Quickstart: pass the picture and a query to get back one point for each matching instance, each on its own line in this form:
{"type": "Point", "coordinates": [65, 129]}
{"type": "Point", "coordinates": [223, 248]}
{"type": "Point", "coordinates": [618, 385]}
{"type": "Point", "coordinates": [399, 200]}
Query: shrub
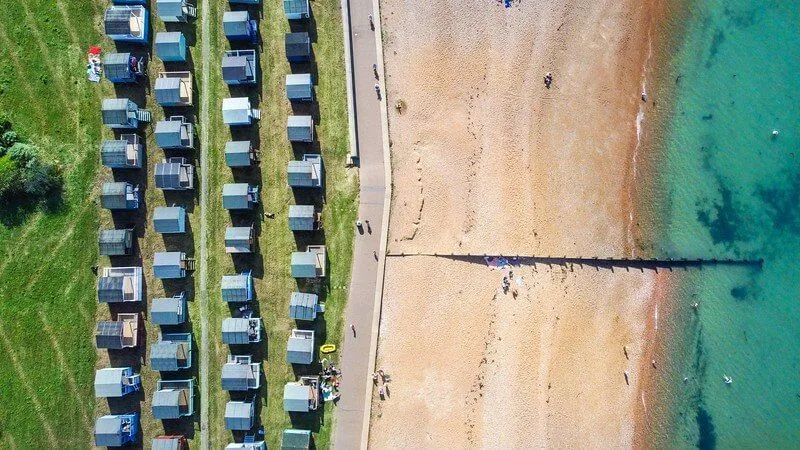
{"type": "Point", "coordinates": [9, 138]}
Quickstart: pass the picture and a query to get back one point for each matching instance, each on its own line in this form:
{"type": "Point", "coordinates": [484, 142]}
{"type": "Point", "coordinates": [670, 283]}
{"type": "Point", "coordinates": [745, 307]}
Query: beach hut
{"type": "Point", "coordinates": [175, 10]}
{"type": "Point", "coordinates": [116, 430]}
{"type": "Point", "coordinates": [127, 23]}
{"type": "Point", "coordinates": [124, 67]}
{"type": "Point", "coordinates": [306, 173]}
{"type": "Point", "coordinates": [168, 265]}
{"type": "Point", "coordinates": [239, 154]}
{"type": "Point", "coordinates": [119, 196]}
{"type": "Point", "coordinates": [129, 2]}
{"type": "Point", "coordinates": [296, 439]}
{"type": "Point", "coordinates": [239, 67]}
{"type": "Point", "coordinates": [172, 352]}
{"type": "Point", "coordinates": [300, 347]}
{"type": "Point", "coordinates": [238, 26]}
{"type": "Point", "coordinates": [239, 415]}
{"type": "Point", "coordinates": [173, 399]}
{"type": "Point", "coordinates": [296, 9]}
{"type": "Point", "coordinates": [298, 47]}
{"type": "Point", "coordinates": [310, 263]}
{"type": "Point", "coordinates": [240, 373]}
{"type": "Point", "coordinates": [239, 196]}
{"type": "Point", "coordinates": [303, 306]}
{"type": "Point", "coordinates": [121, 113]}
{"type": "Point", "coordinates": [116, 382]}
{"type": "Point", "coordinates": [116, 242]}
{"type": "Point", "coordinates": [237, 288]}
{"type": "Point", "coordinates": [169, 310]}
{"type": "Point", "coordinates": [237, 111]}
{"type": "Point", "coordinates": [299, 87]}
{"type": "Point", "coordinates": [120, 284]}
{"type": "Point", "coordinates": [303, 218]}
{"type": "Point", "coordinates": [169, 219]}
{"type": "Point", "coordinates": [175, 133]}
{"type": "Point", "coordinates": [171, 46]}
{"type": "Point", "coordinates": [245, 2]}
{"type": "Point", "coordinates": [175, 174]}
{"type": "Point", "coordinates": [302, 395]}
{"type": "Point", "coordinates": [239, 239]}
{"type": "Point", "coordinates": [174, 88]}
{"type": "Point", "coordinates": [251, 444]}
{"type": "Point", "coordinates": [241, 330]}
{"type": "Point", "coordinates": [300, 128]}
{"type": "Point", "coordinates": [170, 443]}
{"type": "Point", "coordinates": [124, 153]}
{"type": "Point", "coordinates": [118, 334]}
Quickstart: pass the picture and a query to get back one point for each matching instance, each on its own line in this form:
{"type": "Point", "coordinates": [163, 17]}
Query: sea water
{"type": "Point", "coordinates": [731, 189]}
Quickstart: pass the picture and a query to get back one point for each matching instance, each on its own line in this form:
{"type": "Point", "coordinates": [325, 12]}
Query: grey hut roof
{"type": "Point", "coordinates": [299, 86]}
{"type": "Point", "coordinates": [168, 90]}
{"type": "Point", "coordinates": [237, 153]}
{"type": "Point", "coordinates": [108, 382]}
{"type": "Point", "coordinates": [170, 8]}
{"type": "Point", "coordinates": [234, 23]}
{"type": "Point", "coordinates": [109, 335]}
{"type": "Point", "coordinates": [115, 110]}
{"type": "Point", "coordinates": [115, 65]}
{"type": "Point", "coordinates": [300, 128]}
{"type": "Point", "coordinates": [168, 175]}
{"type": "Point", "coordinates": [114, 195]}
{"type": "Point", "coordinates": [237, 68]}
{"type": "Point", "coordinates": [296, 440]}
{"type": "Point", "coordinates": [301, 217]}
{"type": "Point", "coordinates": [117, 20]}
{"type": "Point", "coordinates": [238, 238]}
{"type": "Point", "coordinates": [304, 264]}
{"type": "Point", "coordinates": [235, 288]}
{"type": "Point", "coordinates": [299, 173]}
{"type": "Point", "coordinates": [166, 443]}
{"type": "Point", "coordinates": [238, 415]}
{"type": "Point", "coordinates": [108, 431]}
{"type": "Point", "coordinates": [168, 37]}
{"type": "Point", "coordinates": [109, 289]}
{"type": "Point", "coordinates": [300, 349]}
{"type": "Point", "coordinates": [297, 44]}
{"type": "Point", "coordinates": [236, 331]}
{"type": "Point", "coordinates": [296, 397]}
{"type": "Point", "coordinates": [295, 6]}
{"type": "Point", "coordinates": [166, 404]}
{"type": "Point", "coordinates": [114, 153]}
{"type": "Point", "coordinates": [166, 219]}
{"type": "Point", "coordinates": [168, 311]}
{"type": "Point", "coordinates": [169, 132]}
{"type": "Point", "coordinates": [303, 306]}
{"type": "Point", "coordinates": [115, 242]}
{"type": "Point", "coordinates": [237, 377]}
{"type": "Point", "coordinates": [164, 355]}
{"type": "Point", "coordinates": [235, 196]}
{"type": "Point", "coordinates": [168, 264]}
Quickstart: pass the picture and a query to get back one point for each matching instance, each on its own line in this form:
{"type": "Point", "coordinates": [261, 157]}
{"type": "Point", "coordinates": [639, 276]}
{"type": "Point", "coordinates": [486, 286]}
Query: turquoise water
{"type": "Point", "coordinates": [732, 190]}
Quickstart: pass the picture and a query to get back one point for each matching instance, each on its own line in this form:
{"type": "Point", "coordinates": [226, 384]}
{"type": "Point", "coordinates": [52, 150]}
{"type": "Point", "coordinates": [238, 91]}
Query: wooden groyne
{"type": "Point", "coordinates": [594, 261]}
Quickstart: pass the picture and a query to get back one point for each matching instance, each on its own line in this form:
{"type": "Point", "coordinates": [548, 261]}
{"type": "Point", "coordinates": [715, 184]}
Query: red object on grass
{"type": "Point", "coordinates": [95, 50]}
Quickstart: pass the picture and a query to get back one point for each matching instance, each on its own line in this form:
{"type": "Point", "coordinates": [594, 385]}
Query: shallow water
{"type": "Point", "coordinates": [732, 190]}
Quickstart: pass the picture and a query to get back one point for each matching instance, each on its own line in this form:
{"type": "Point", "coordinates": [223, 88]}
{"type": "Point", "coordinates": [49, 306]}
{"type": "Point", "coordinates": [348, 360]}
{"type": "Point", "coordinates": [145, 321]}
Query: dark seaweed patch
{"type": "Point", "coordinates": [707, 439]}
{"type": "Point", "coordinates": [781, 205]}
{"type": "Point", "coordinates": [742, 19]}
{"type": "Point", "coordinates": [723, 220]}
{"type": "Point", "coordinates": [708, 117]}
{"type": "Point", "coordinates": [739, 292]}
{"type": "Point", "coordinates": [716, 41]}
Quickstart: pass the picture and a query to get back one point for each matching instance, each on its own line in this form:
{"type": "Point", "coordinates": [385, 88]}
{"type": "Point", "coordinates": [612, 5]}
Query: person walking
{"type": "Point", "coordinates": [353, 327]}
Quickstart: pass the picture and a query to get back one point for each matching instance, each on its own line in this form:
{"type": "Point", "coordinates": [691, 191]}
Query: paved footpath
{"type": "Point", "coordinates": [356, 359]}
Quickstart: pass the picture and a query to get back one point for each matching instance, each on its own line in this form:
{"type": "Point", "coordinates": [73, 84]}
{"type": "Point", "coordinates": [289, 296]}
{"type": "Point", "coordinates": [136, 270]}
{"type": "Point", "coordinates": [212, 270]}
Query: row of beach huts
{"type": "Point", "coordinates": [127, 22]}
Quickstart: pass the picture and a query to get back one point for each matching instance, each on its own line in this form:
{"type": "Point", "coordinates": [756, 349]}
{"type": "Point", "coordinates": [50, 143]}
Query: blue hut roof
{"type": "Point", "coordinates": [109, 431]}
{"type": "Point", "coordinates": [303, 306]}
{"type": "Point", "coordinates": [237, 288]}
{"type": "Point", "coordinates": [168, 90]}
{"type": "Point", "coordinates": [238, 415]}
{"type": "Point", "coordinates": [296, 440]}
{"type": "Point", "coordinates": [168, 311]}
{"type": "Point", "coordinates": [236, 23]}
{"type": "Point", "coordinates": [237, 154]}
{"type": "Point", "coordinates": [166, 404]}
{"type": "Point", "coordinates": [169, 265]}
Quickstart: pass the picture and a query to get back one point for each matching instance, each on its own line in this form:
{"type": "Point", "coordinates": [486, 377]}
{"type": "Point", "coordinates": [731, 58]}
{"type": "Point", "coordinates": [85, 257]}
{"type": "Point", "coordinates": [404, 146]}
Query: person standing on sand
{"type": "Point", "coordinates": [353, 327]}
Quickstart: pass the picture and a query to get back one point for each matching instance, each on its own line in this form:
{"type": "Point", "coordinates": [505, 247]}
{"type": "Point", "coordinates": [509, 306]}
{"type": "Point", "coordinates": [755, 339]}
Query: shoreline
{"type": "Point", "coordinates": [451, 173]}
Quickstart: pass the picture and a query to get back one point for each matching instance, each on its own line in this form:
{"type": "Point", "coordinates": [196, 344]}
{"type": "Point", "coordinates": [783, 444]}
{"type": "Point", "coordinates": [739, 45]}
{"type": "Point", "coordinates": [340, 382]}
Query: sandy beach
{"type": "Point", "coordinates": [486, 159]}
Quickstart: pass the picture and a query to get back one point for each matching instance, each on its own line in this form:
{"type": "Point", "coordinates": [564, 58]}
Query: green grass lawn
{"type": "Point", "coordinates": [48, 302]}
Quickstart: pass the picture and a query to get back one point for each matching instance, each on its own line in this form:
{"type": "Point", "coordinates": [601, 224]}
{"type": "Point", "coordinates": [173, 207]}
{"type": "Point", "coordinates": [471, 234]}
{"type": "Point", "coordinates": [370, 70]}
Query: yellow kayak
{"type": "Point", "coordinates": [328, 348]}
